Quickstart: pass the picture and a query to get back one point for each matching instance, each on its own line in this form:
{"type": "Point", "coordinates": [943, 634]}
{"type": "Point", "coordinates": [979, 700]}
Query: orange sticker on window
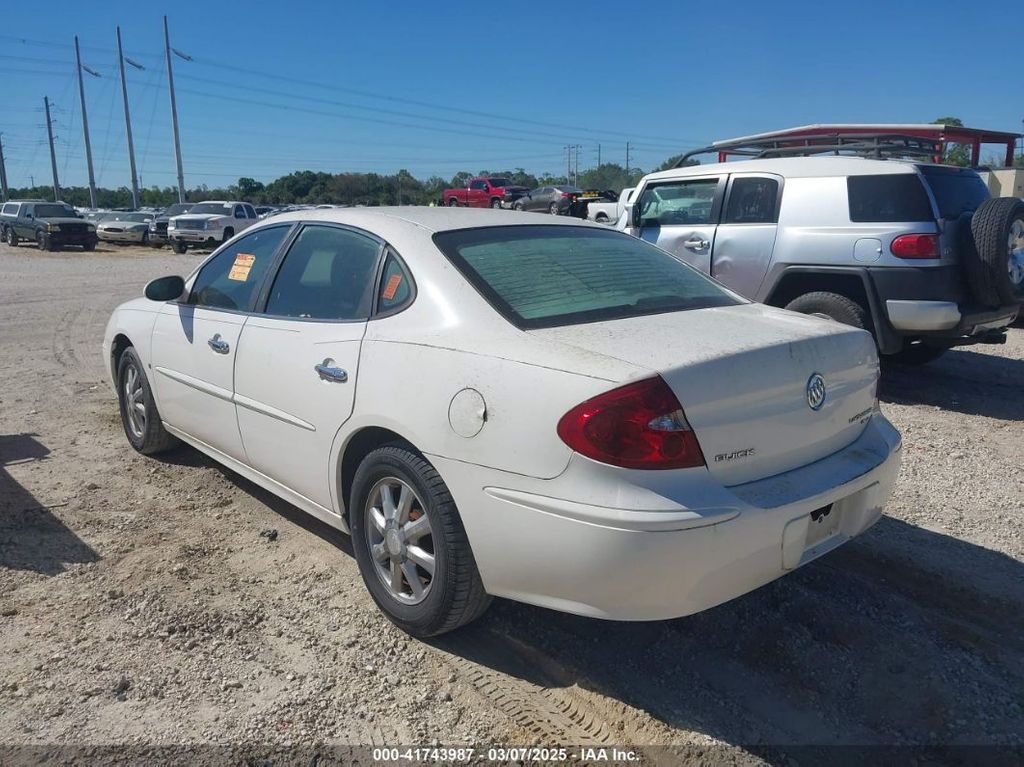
{"type": "Point", "coordinates": [240, 269]}
{"type": "Point", "coordinates": [392, 287]}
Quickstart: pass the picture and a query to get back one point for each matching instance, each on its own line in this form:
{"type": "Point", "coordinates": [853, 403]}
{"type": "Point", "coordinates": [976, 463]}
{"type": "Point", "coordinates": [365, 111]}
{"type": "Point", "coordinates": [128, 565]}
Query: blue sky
{"type": "Point", "coordinates": [447, 86]}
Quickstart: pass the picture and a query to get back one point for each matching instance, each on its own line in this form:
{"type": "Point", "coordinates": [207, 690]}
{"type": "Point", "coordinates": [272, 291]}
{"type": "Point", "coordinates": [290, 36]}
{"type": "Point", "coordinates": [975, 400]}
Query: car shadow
{"type": "Point", "coordinates": [875, 644]}
{"type": "Point", "coordinates": [32, 537]}
{"type": "Point", "coordinates": [963, 381]}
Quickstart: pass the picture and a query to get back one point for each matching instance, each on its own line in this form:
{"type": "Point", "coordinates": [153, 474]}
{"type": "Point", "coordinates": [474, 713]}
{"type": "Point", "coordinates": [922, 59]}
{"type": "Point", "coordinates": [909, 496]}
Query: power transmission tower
{"type": "Point", "coordinates": [3, 171]}
{"type": "Point", "coordinates": [85, 124]}
{"type": "Point", "coordinates": [174, 109]}
{"type": "Point", "coordinates": [53, 154]}
{"type": "Point", "coordinates": [128, 118]}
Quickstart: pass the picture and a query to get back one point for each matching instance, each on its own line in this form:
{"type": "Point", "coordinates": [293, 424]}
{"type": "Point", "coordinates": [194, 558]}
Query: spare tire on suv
{"type": "Point", "coordinates": [993, 251]}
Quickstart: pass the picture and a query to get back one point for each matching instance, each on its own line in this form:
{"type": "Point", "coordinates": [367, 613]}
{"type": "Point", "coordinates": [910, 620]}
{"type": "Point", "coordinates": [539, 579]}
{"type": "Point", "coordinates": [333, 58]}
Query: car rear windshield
{"type": "Point", "coordinates": [956, 190]}
{"type": "Point", "coordinates": [888, 198]}
{"type": "Point", "coordinates": [549, 276]}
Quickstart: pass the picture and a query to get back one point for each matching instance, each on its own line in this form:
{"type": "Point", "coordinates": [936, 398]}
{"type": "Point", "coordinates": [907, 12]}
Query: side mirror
{"type": "Point", "coordinates": [165, 288]}
{"type": "Point", "coordinates": [635, 217]}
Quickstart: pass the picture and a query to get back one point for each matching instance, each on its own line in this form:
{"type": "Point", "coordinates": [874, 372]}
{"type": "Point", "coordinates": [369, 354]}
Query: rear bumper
{"type": "Point", "coordinates": [685, 544]}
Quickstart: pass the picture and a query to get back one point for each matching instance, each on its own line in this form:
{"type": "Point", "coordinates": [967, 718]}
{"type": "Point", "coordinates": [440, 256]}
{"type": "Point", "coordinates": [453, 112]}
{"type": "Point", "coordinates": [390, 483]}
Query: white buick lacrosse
{"type": "Point", "coordinates": [550, 412]}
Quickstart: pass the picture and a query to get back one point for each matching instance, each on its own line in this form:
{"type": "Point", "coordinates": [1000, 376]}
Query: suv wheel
{"type": "Point", "coordinates": [830, 306]}
{"type": "Point", "coordinates": [12, 238]}
{"type": "Point", "coordinates": [995, 263]}
{"type": "Point", "coordinates": [495, 203]}
{"type": "Point", "coordinates": [178, 246]}
{"type": "Point", "coordinates": [410, 545]}
{"type": "Point", "coordinates": [43, 242]}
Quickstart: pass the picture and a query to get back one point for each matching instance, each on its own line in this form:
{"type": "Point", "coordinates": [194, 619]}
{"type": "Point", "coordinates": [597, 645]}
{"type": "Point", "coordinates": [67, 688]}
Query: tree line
{"type": "Point", "coordinates": [315, 187]}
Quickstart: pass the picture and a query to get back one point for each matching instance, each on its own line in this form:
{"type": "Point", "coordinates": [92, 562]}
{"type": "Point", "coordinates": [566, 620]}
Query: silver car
{"type": "Point", "coordinates": [914, 252]}
{"type": "Point", "coordinates": [125, 227]}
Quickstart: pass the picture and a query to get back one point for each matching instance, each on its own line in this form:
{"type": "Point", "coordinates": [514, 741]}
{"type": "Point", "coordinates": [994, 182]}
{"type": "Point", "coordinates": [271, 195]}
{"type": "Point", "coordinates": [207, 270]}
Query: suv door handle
{"type": "Point", "coordinates": [328, 372]}
{"type": "Point", "coordinates": [696, 244]}
{"type": "Point", "coordinates": [219, 345]}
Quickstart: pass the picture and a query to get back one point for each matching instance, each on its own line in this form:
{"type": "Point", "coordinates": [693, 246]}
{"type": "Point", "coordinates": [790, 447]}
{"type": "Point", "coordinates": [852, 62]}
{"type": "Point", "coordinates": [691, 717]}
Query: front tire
{"type": "Point", "coordinates": [411, 546]}
{"type": "Point", "coordinates": [139, 416]}
{"type": "Point", "coordinates": [43, 242]}
{"type": "Point", "coordinates": [178, 247]}
{"type": "Point", "coordinates": [495, 203]}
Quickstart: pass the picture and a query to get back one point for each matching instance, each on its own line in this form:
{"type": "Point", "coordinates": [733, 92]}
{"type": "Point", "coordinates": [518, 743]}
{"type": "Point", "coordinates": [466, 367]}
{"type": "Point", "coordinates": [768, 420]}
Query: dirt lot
{"type": "Point", "coordinates": [142, 601]}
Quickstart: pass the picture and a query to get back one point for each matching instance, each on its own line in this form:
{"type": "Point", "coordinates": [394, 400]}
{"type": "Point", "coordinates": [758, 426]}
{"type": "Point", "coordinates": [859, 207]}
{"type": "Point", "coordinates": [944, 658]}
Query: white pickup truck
{"type": "Point", "coordinates": [609, 212]}
{"type": "Point", "coordinates": [209, 224]}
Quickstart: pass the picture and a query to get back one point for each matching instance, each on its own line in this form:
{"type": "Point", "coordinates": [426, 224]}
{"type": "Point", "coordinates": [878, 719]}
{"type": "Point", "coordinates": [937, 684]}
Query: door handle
{"type": "Point", "coordinates": [328, 372]}
{"type": "Point", "coordinates": [696, 244]}
{"type": "Point", "coordinates": [219, 345]}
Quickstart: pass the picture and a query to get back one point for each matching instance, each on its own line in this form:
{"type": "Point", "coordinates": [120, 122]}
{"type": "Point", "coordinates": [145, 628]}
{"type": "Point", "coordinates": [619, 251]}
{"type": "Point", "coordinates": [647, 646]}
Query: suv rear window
{"type": "Point", "coordinates": [888, 198]}
{"type": "Point", "coordinates": [956, 190]}
{"type": "Point", "coordinates": [547, 276]}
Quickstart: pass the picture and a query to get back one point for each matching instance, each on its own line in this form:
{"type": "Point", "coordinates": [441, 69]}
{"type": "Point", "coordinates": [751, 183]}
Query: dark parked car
{"type": "Point", "coordinates": [50, 225]}
{"type": "Point", "coordinates": [158, 226]}
{"type": "Point", "coordinates": [552, 199]}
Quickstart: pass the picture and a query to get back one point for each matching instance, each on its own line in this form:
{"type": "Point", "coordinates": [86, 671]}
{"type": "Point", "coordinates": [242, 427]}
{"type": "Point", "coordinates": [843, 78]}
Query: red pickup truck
{"type": "Point", "coordinates": [484, 192]}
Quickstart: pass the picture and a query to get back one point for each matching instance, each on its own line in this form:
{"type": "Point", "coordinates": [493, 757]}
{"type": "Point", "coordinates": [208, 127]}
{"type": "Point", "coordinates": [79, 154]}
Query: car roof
{"type": "Point", "coordinates": [428, 219]}
{"type": "Point", "coordinates": [795, 167]}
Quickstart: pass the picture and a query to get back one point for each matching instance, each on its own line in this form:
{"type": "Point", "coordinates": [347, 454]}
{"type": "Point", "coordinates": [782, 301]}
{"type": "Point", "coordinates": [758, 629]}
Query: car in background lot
{"type": "Point", "coordinates": [609, 212]}
{"type": "Point", "coordinates": [125, 227]}
{"type": "Point", "coordinates": [50, 225]}
{"type": "Point", "coordinates": [158, 226]}
{"type": "Point", "coordinates": [209, 223]}
{"type": "Point", "coordinates": [917, 253]}
{"type": "Point", "coordinates": [484, 192]}
{"type": "Point", "coordinates": [555, 200]}
{"type": "Point", "coordinates": [609, 461]}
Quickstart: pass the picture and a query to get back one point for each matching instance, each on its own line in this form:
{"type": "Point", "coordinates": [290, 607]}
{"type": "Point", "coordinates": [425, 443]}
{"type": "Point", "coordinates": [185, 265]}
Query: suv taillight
{"type": "Point", "coordinates": [915, 246]}
{"type": "Point", "coordinates": [637, 426]}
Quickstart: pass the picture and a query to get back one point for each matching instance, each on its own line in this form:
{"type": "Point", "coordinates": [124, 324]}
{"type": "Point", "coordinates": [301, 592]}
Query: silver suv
{"type": "Point", "coordinates": [916, 253]}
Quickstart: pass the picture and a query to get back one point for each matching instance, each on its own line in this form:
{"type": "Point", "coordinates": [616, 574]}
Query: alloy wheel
{"type": "Point", "coordinates": [134, 402]}
{"type": "Point", "coordinates": [400, 540]}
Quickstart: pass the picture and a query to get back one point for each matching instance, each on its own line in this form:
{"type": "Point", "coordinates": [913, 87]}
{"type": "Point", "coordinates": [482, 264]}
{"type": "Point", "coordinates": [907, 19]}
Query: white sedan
{"type": "Point", "coordinates": [124, 227]}
{"type": "Point", "coordinates": [553, 412]}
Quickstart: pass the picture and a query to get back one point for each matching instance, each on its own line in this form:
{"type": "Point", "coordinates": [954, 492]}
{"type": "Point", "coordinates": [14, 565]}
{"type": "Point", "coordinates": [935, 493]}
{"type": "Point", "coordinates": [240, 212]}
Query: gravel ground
{"type": "Point", "coordinates": [168, 601]}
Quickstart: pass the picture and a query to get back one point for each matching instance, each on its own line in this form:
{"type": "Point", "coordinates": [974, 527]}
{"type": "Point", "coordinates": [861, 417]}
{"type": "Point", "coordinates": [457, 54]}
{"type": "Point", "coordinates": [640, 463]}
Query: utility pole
{"type": "Point", "coordinates": [53, 154]}
{"type": "Point", "coordinates": [576, 173]}
{"type": "Point", "coordinates": [598, 155]}
{"type": "Point", "coordinates": [3, 171]}
{"type": "Point", "coordinates": [85, 125]}
{"type": "Point", "coordinates": [627, 158]}
{"type": "Point", "coordinates": [128, 119]}
{"type": "Point", "coordinates": [174, 111]}
{"type": "Point", "coordinates": [568, 163]}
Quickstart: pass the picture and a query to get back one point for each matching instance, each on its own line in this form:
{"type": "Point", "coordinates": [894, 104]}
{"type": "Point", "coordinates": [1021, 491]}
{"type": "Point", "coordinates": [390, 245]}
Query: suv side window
{"type": "Point", "coordinates": [395, 292]}
{"type": "Point", "coordinates": [10, 209]}
{"type": "Point", "coordinates": [689, 202]}
{"type": "Point", "coordinates": [231, 278]}
{"type": "Point", "coordinates": [752, 201]}
{"type": "Point", "coordinates": [888, 198]}
{"type": "Point", "coordinates": [328, 274]}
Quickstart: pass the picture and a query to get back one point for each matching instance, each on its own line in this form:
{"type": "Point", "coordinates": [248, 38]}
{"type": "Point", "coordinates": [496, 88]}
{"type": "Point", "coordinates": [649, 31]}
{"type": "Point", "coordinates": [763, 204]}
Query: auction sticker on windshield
{"type": "Point", "coordinates": [241, 268]}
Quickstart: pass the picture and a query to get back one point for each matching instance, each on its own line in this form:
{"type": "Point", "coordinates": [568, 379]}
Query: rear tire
{"type": "Point", "coordinates": [449, 597]}
{"type": "Point", "coordinates": [143, 427]}
{"type": "Point", "coordinates": [995, 266]}
{"type": "Point", "coordinates": [553, 209]}
{"type": "Point", "coordinates": [831, 305]}
{"type": "Point", "coordinates": [12, 238]}
{"type": "Point", "coordinates": [453, 203]}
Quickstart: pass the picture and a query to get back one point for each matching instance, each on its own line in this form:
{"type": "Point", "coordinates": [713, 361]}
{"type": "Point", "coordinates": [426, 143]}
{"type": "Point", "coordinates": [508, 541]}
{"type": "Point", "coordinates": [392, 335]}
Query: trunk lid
{"type": "Point", "coordinates": [742, 375]}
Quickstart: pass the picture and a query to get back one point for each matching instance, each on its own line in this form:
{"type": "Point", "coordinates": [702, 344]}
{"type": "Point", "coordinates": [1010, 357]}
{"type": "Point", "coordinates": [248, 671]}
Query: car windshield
{"type": "Point", "coordinates": [216, 208]}
{"type": "Point", "coordinates": [54, 211]}
{"type": "Point", "coordinates": [176, 210]}
{"type": "Point", "coordinates": [500, 182]}
{"type": "Point", "coordinates": [956, 190]}
{"type": "Point", "coordinates": [549, 276]}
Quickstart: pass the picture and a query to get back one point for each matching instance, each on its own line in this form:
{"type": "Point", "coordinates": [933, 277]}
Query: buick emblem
{"type": "Point", "coordinates": [815, 391]}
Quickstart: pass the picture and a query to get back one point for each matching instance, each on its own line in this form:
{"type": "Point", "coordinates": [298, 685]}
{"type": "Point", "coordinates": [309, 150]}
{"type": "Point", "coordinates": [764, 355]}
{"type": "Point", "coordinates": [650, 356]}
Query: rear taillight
{"type": "Point", "coordinates": [915, 246]}
{"type": "Point", "coordinates": [637, 426]}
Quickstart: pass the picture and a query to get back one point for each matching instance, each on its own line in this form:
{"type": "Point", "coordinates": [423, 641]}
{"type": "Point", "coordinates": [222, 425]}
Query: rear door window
{"type": "Point", "coordinates": [888, 198]}
{"type": "Point", "coordinates": [752, 201]}
{"type": "Point", "coordinates": [328, 274]}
